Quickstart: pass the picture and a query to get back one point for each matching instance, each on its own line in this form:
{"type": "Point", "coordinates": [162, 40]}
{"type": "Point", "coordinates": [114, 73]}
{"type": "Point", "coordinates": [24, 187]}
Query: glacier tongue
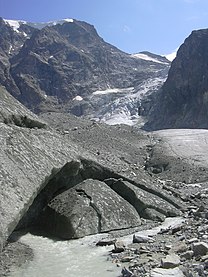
{"type": "Point", "coordinates": [123, 106]}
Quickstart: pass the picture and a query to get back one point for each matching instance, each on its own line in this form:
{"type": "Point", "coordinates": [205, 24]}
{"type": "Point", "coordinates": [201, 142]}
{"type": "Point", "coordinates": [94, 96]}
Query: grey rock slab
{"type": "Point", "coordinates": [144, 201]}
{"type": "Point", "coordinates": [88, 208]}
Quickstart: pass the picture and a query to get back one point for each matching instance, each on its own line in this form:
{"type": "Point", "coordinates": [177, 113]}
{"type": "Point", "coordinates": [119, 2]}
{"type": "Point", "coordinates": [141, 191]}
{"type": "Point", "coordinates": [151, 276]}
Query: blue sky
{"type": "Point", "coordinates": [158, 26]}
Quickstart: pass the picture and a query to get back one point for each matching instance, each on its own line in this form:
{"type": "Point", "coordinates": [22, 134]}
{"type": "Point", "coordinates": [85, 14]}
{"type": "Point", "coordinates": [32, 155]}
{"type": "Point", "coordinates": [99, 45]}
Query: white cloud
{"type": "Point", "coordinates": [126, 29]}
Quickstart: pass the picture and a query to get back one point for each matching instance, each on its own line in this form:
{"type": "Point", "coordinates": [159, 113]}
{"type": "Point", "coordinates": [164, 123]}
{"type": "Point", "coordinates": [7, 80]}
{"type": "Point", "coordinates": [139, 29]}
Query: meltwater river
{"type": "Point", "coordinates": [72, 258]}
{"type": "Point", "coordinates": [66, 259]}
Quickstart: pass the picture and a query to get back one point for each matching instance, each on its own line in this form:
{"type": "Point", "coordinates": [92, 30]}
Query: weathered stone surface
{"type": "Point", "coordinates": [88, 208]}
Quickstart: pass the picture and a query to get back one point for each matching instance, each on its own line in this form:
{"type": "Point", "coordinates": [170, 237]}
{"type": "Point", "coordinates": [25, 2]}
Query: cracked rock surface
{"type": "Point", "coordinates": [88, 208]}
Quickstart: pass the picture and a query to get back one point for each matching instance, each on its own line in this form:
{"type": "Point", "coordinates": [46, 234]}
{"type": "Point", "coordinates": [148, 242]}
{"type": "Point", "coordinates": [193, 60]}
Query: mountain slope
{"type": "Point", "coordinates": [58, 61]}
{"type": "Point", "coordinates": [183, 101]}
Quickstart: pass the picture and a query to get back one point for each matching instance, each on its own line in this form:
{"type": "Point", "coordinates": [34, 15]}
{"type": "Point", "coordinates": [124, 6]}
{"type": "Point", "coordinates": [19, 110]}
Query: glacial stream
{"type": "Point", "coordinates": [78, 258]}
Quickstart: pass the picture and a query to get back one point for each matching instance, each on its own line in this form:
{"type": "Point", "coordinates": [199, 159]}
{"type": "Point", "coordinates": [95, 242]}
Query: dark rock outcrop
{"type": "Point", "coordinates": [183, 100]}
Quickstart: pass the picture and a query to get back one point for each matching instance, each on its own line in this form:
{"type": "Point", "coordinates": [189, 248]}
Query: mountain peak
{"type": "Point", "coordinates": [15, 24]}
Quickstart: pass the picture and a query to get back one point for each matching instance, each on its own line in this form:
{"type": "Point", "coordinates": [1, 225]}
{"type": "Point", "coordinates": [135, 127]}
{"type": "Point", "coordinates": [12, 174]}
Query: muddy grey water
{"type": "Point", "coordinates": [66, 259]}
{"type": "Point", "coordinates": [78, 258]}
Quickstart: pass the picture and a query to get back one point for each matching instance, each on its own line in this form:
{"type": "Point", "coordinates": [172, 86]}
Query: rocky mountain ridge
{"type": "Point", "coordinates": [49, 65]}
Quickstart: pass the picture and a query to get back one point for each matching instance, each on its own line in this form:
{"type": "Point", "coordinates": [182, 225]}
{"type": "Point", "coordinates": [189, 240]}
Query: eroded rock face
{"type": "Point", "coordinates": [88, 208]}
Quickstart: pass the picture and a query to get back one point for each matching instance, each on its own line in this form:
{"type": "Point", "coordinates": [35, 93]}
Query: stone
{"type": "Point", "coordinates": [142, 239]}
{"type": "Point", "coordinates": [170, 261]}
{"type": "Point", "coordinates": [119, 246]}
{"type": "Point", "coordinates": [105, 242]}
{"type": "Point", "coordinates": [127, 259]}
{"type": "Point", "coordinates": [126, 272]}
{"type": "Point", "coordinates": [180, 247]}
{"type": "Point", "coordinates": [192, 240]}
{"type": "Point", "coordinates": [200, 248]}
{"type": "Point", "coordinates": [187, 255]}
{"type": "Point", "coordinates": [160, 272]}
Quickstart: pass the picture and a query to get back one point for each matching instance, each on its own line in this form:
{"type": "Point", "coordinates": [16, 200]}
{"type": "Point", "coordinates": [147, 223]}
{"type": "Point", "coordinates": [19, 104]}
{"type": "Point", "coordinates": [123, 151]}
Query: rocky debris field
{"type": "Point", "coordinates": [178, 250]}
{"type": "Point", "coordinates": [59, 172]}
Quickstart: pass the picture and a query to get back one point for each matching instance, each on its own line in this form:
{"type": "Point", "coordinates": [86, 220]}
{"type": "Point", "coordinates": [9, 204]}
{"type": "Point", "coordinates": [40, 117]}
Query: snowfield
{"type": "Point", "coordinates": [147, 58]}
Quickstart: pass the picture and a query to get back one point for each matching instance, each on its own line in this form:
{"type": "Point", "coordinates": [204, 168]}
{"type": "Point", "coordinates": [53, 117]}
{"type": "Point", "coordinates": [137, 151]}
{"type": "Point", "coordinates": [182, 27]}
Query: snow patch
{"type": "Point", "coordinates": [146, 58]}
{"type": "Point", "coordinates": [10, 49]}
{"type": "Point", "coordinates": [78, 98]}
{"type": "Point", "coordinates": [172, 55]}
{"type": "Point", "coordinates": [15, 24]}
{"type": "Point", "coordinates": [113, 90]}
{"type": "Point", "coordinates": [69, 20]}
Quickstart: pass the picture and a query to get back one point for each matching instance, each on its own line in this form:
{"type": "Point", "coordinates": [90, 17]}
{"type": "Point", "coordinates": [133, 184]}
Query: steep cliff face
{"type": "Point", "coordinates": [48, 66]}
{"type": "Point", "coordinates": [183, 100]}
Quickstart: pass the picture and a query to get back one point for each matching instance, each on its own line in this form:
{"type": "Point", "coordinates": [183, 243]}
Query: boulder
{"type": "Point", "coordinates": [200, 248]}
{"type": "Point", "coordinates": [170, 261]}
{"type": "Point", "coordinates": [88, 208]}
{"type": "Point", "coordinates": [141, 239]}
{"type": "Point", "coordinates": [118, 247]}
{"type": "Point", "coordinates": [126, 272]}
